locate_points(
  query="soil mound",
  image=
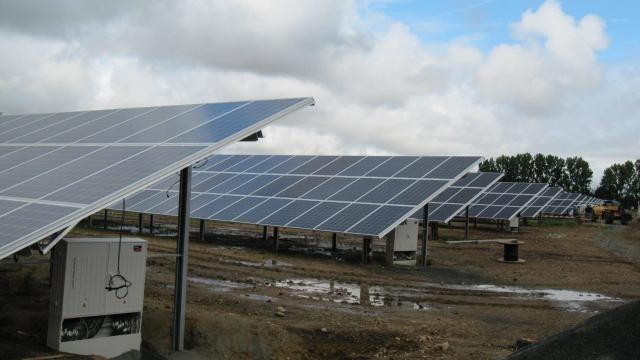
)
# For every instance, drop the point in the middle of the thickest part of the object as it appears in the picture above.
(614, 334)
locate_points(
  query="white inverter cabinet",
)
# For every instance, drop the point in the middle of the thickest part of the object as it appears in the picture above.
(97, 295)
(402, 242)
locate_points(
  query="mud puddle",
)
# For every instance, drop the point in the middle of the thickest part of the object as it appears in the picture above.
(569, 300)
(347, 293)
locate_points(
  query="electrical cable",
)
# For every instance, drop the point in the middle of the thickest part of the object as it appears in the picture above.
(124, 283)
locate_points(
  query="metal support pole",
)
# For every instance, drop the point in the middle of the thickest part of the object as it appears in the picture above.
(105, 222)
(334, 243)
(466, 223)
(140, 223)
(180, 293)
(265, 236)
(276, 238)
(366, 250)
(475, 222)
(90, 221)
(151, 224)
(434, 231)
(425, 235)
(203, 228)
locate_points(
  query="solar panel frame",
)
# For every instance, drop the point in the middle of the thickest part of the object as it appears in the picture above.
(506, 200)
(198, 151)
(375, 197)
(443, 210)
(540, 202)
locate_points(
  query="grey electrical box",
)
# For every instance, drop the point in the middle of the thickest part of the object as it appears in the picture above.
(96, 308)
(405, 242)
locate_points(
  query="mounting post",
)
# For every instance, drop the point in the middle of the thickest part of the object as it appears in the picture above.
(151, 224)
(366, 250)
(425, 235)
(203, 230)
(90, 221)
(140, 223)
(105, 222)
(265, 236)
(466, 223)
(180, 293)
(475, 222)
(334, 243)
(276, 238)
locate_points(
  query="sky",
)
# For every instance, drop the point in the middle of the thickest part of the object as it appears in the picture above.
(458, 77)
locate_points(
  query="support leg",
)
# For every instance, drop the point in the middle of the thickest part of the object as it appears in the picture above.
(425, 236)
(140, 223)
(202, 232)
(366, 250)
(276, 238)
(180, 295)
(475, 223)
(265, 236)
(151, 224)
(105, 221)
(390, 239)
(334, 243)
(466, 223)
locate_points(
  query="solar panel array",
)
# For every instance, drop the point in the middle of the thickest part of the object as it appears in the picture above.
(363, 195)
(449, 203)
(59, 168)
(505, 200)
(540, 202)
(561, 204)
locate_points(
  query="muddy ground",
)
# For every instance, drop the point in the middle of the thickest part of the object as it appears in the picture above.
(246, 301)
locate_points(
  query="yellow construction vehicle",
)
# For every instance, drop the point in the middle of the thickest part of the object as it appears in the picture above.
(610, 211)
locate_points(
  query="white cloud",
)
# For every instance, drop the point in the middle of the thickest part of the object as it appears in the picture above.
(379, 87)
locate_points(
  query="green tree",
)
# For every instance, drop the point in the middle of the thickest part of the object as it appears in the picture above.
(540, 169)
(555, 171)
(578, 175)
(620, 182)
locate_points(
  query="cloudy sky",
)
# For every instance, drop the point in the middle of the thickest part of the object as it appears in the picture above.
(463, 77)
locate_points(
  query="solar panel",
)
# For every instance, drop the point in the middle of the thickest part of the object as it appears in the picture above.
(361, 195)
(458, 196)
(58, 168)
(505, 200)
(561, 204)
(540, 202)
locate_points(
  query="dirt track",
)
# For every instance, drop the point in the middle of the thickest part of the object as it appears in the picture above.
(248, 302)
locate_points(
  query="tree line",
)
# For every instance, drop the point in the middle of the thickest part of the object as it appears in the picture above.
(572, 174)
(621, 182)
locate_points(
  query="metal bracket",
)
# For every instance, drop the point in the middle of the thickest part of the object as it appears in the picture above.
(45, 249)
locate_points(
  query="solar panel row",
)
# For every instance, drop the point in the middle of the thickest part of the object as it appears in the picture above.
(561, 204)
(364, 195)
(540, 202)
(449, 203)
(505, 200)
(69, 165)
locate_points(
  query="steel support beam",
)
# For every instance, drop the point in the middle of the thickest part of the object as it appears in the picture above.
(366, 250)
(203, 230)
(140, 223)
(105, 221)
(180, 293)
(334, 243)
(265, 235)
(466, 223)
(276, 238)
(151, 224)
(425, 236)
